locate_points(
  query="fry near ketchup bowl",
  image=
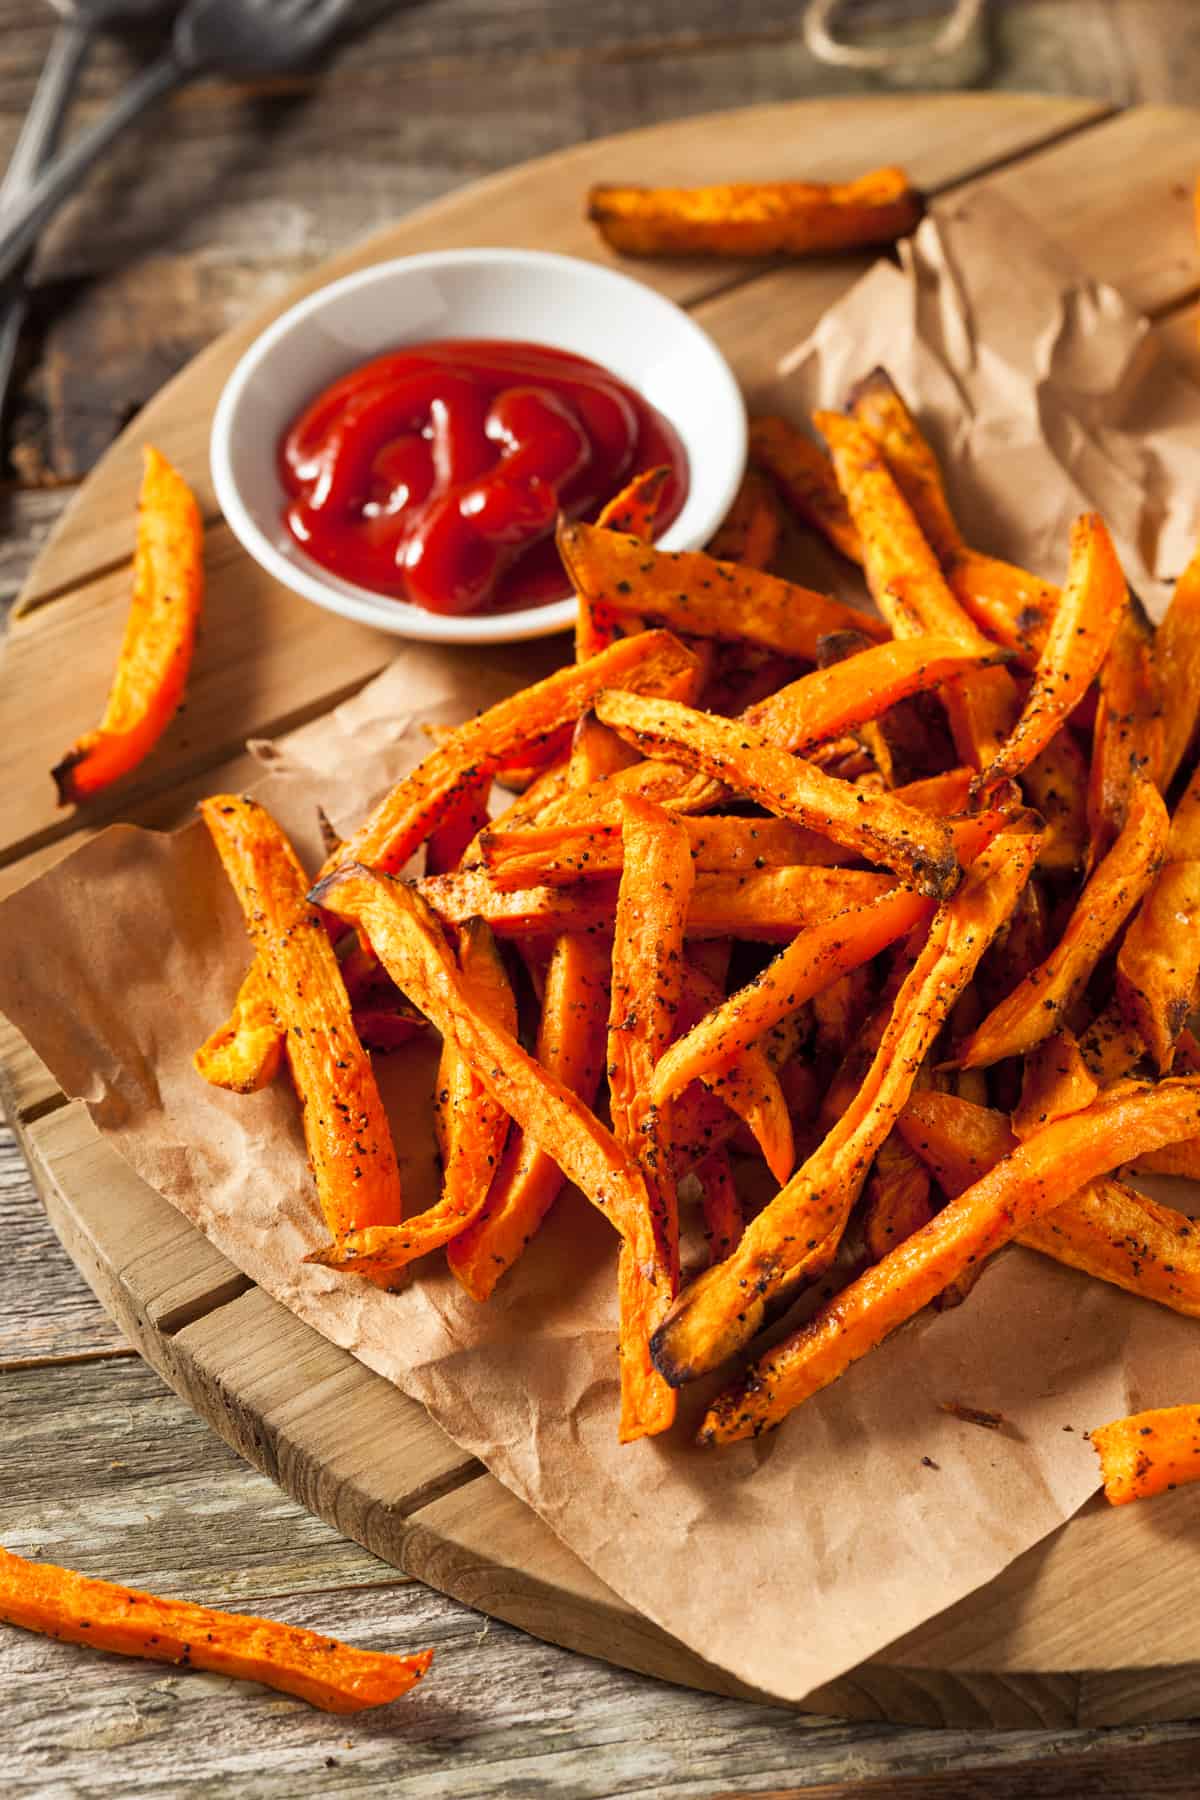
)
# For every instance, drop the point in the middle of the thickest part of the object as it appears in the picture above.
(397, 446)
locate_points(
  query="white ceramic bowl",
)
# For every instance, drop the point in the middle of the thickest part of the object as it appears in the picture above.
(518, 294)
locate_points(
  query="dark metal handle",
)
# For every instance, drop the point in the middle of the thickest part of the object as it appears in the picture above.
(22, 222)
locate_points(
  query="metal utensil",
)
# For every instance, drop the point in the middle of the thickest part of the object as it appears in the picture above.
(952, 35)
(232, 37)
(81, 22)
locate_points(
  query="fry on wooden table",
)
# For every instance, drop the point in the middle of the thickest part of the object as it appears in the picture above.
(160, 632)
(76, 1609)
(757, 218)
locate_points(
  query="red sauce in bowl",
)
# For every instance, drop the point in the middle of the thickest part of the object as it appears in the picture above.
(436, 473)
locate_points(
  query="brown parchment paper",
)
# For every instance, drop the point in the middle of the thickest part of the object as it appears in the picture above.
(789, 1560)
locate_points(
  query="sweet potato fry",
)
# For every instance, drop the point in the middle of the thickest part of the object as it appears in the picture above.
(1081, 631)
(690, 591)
(1056, 784)
(757, 218)
(1025, 1186)
(799, 1230)
(156, 651)
(1012, 606)
(76, 1609)
(1128, 734)
(767, 905)
(1107, 1229)
(1148, 1453)
(647, 969)
(907, 584)
(941, 795)
(1159, 960)
(383, 1029)
(570, 1046)
(877, 826)
(723, 1215)
(749, 532)
(474, 1132)
(412, 947)
(1055, 1082)
(811, 961)
(345, 1127)
(632, 511)
(896, 1202)
(803, 475)
(1042, 1001)
(245, 1052)
(560, 855)
(596, 753)
(1177, 659)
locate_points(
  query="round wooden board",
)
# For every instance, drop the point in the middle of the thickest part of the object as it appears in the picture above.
(1086, 1628)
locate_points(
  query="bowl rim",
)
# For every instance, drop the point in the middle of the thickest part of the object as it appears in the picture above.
(402, 618)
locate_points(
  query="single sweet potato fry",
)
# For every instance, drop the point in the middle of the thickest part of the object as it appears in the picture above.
(410, 944)
(345, 1127)
(1107, 1229)
(810, 962)
(1039, 1004)
(1148, 1453)
(1027, 1184)
(1111, 1047)
(690, 591)
(1128, 734)
(647, 975)
(474, 1131)
(244, 1054)
(1081, 631)
(875, 826)
(799, 1230)
(156, 651)
(458, 830)
(749, 532)
(1177, 659)
(1159, 959)
(909, 588)
(632, 511)
(76, 1609)
(803, 474)
(757, 218)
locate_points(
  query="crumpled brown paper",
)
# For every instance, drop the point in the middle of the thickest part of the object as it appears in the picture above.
(789, 1560)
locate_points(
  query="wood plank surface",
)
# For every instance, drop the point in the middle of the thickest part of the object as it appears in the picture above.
(282, 183)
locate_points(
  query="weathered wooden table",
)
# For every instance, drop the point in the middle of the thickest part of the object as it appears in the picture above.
(216, 205)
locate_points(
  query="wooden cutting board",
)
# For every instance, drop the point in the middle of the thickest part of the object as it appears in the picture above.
(1088, 1627)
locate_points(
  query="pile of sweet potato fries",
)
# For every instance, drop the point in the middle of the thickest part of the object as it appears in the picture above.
(904, 905)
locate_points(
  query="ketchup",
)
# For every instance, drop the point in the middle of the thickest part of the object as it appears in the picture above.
(436, 473)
